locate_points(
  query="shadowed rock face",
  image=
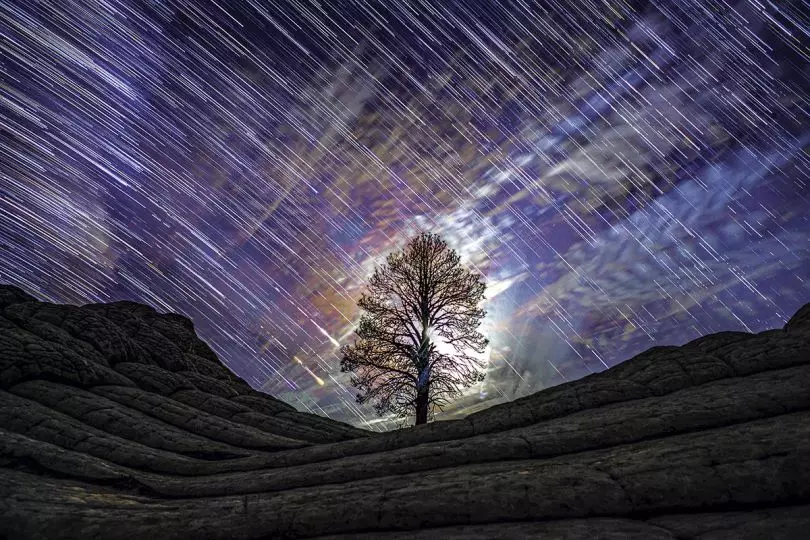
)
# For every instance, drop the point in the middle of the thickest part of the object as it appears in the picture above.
(119, 422)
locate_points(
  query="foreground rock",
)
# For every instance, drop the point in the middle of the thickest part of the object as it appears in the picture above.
(118, 422)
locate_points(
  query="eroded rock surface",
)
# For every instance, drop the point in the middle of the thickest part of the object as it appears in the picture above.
(119, 422)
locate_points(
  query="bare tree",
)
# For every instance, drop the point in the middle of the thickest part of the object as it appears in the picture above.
(420, 298)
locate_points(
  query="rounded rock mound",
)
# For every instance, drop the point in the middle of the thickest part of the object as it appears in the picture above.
(117, 421)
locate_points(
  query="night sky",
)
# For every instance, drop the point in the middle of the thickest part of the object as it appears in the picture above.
(625, 174)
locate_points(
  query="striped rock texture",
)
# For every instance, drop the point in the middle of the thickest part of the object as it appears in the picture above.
(119, 422)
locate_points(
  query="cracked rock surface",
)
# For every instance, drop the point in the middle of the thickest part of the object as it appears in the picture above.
(117, 421)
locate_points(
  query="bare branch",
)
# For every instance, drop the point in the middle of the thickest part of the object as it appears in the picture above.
(420, 294)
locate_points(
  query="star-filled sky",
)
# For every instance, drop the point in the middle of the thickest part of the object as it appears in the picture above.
(624, 173)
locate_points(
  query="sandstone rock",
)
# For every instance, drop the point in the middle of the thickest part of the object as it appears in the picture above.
(13, 295)
(154, 378)
(801, 320)
(35, 421)
(24, 355)
(117, 421)
(21, 453)
(211, 385)
(209, 368)
(195, 420)
(133, 320)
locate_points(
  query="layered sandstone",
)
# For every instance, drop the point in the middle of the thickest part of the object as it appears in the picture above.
(119, 422)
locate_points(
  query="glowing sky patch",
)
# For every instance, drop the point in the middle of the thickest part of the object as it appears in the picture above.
(624, 173)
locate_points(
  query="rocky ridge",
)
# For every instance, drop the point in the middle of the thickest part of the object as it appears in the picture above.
(117, 421)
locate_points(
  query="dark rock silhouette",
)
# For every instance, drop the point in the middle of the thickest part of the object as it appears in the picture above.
(118, 422)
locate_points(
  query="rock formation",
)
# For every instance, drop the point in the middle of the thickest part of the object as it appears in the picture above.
(119, 422)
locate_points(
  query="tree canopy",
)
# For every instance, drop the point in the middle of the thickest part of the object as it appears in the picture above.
(418, 333)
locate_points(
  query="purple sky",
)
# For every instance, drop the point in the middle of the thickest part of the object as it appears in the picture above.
(625, 174)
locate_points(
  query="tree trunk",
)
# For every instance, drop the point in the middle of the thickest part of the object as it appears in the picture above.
(423, 379)
(422, 406)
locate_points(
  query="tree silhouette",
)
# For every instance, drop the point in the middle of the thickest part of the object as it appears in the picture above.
(420, 320)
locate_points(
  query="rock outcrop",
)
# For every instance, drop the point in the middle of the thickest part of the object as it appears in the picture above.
(119, 422)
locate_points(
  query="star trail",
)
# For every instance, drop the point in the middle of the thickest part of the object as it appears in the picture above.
(625, 174)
